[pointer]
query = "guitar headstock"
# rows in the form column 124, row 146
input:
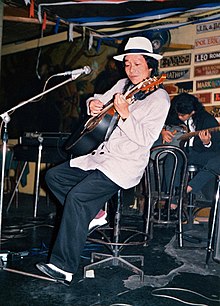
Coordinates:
column 152, row 83
column 147, row 86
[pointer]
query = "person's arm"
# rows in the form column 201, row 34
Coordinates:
column 210, row 140
column 167, row 135
column 144, row 124
column 104, row 98
column 121, row 106
column 205, row 137
column 95, row 107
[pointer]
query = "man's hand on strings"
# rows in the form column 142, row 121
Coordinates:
column 167, row 136
column 205, row 137
column 121, row 106
column 95, row 107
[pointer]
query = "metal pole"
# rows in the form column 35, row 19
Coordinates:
column 40, row 139
column 214, row 218
column 4, row 152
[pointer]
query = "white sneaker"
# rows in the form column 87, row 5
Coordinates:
column 99, row 220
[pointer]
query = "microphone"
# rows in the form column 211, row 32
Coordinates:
column 85, row 69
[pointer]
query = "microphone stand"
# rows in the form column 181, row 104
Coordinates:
column 6, row 118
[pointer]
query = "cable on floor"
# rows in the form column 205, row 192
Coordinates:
column 180, row 300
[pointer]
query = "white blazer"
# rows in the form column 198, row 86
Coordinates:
column 124, row 156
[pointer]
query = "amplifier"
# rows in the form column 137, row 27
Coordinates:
column 48, row 139
column 51, row 155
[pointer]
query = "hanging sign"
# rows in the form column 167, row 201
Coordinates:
column 203, row 57
column 207, row 84
column 207, row 42
column 177, row 74
column 179, row 87
column 217, row 97
column 207, row 70
column 175, row 60
column 208, row 27
column 204, row 97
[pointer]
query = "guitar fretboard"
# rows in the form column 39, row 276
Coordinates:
column 192, row 134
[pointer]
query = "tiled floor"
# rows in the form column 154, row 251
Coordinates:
column 165, row 266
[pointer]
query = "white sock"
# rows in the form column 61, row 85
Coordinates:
column 68, row 275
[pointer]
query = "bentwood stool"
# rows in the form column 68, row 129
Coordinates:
column 191, row 170
column 159, row 199
column 115, row 240
column 193, row 205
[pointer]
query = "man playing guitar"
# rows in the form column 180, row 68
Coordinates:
column 85, row 183
column 203, row 149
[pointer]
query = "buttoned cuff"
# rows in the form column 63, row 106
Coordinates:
column 208, row 145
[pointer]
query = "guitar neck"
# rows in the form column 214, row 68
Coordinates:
column 107, row 107
column 110, row 104
column 196, row 133
column 147, row 86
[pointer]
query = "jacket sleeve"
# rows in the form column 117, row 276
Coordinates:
column 207, row 121
column 143, row 127
column 108, row 95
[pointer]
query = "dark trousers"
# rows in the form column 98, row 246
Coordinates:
column 208, row 163
column 210, row 168
column 83, row 194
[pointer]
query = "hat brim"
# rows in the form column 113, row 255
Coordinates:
column 121, row 56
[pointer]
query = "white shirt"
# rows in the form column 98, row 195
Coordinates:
column 191, row 128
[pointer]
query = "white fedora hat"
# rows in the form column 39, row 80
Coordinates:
column 138, row 45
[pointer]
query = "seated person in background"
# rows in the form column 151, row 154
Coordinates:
column 202, row 150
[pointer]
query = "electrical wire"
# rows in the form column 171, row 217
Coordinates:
column 180, row 300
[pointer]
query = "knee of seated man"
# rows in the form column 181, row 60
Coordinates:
column 49, row 176
column 213, row 165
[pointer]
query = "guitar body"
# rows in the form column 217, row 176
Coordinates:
column 85, row 141
column 177, row 131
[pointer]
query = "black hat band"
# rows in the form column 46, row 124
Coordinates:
column 137, row 51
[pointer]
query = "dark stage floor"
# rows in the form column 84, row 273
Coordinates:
column 165, row 266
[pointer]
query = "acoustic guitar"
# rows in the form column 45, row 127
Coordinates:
column 92, row 133
column 181, row 135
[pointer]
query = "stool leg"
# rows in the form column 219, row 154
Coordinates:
column 117, row 225
column 190, row 206
column 114, row 259
column 211, row 239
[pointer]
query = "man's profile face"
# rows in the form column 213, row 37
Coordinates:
column 136, row 68
column 185, row 117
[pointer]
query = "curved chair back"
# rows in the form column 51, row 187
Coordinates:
column 165, row 179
